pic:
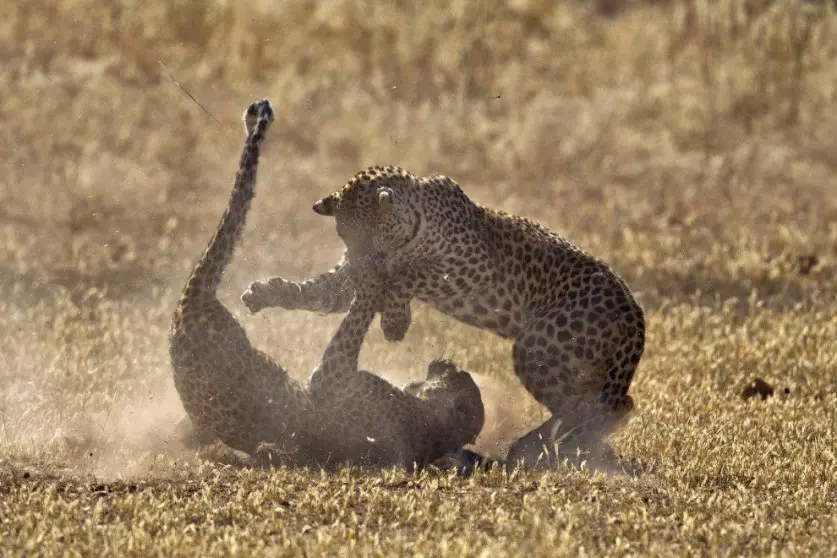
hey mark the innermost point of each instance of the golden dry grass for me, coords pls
(690, 144)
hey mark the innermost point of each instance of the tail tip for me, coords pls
(258, 110)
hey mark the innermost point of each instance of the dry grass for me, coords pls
(688, 143)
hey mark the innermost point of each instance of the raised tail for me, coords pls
(207, 274)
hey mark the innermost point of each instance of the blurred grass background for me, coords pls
(688, 143)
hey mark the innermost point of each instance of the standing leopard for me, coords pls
(235, 393)
(578, 331)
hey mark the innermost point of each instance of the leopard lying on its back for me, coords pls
(237, 394)
(578, 332)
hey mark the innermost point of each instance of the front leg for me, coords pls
(328, 293)
(337, 373)
(396, 315)
(332, 293)
(371, 281)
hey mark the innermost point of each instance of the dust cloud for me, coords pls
(147, 436)
(505, 419)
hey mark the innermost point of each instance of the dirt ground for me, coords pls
(689, 144)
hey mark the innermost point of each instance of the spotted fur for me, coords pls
(235, 393)
(578, 331)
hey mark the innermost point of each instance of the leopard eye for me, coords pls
(385, 197)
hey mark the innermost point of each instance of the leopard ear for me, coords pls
(326, 206)
(385, 197)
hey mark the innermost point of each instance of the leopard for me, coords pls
(577, 330)
(237, 395)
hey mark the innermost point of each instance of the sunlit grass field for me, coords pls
(690, 144)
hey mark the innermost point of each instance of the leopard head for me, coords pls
(375, 212)
(455, 400)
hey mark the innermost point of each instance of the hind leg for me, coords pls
(579, 365)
